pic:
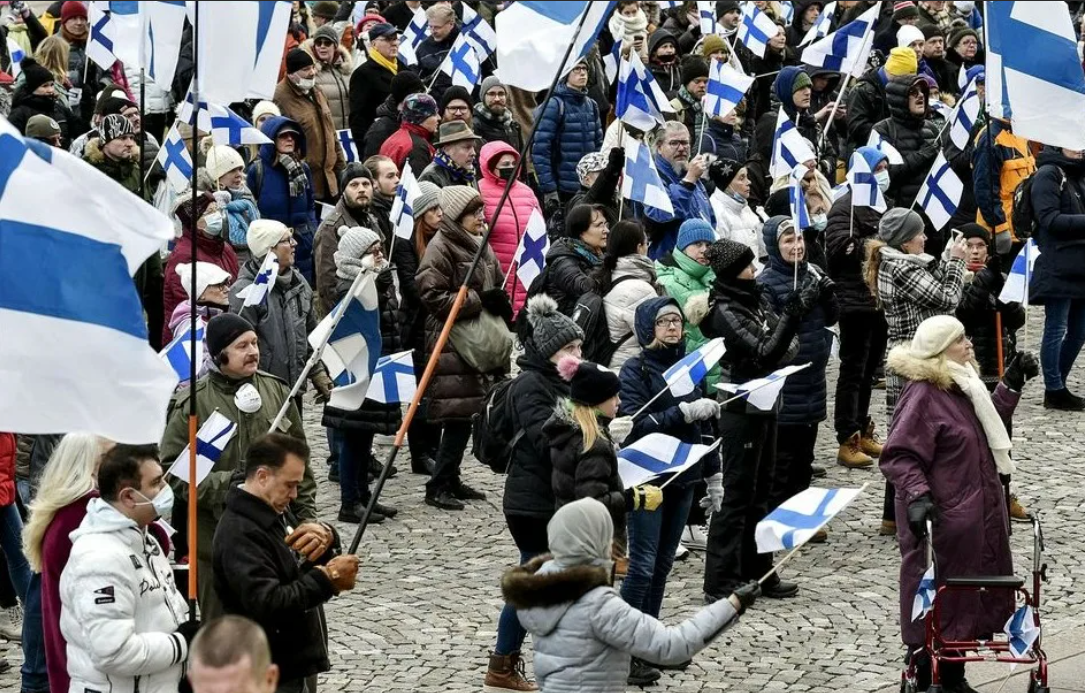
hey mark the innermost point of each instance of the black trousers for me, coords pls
(454, 439)
(862, 350)
(749, 472)
(794, 460)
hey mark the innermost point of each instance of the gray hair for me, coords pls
(441, 13)
(671, 127)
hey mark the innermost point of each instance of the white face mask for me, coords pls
(304, 84)
(883, 180)
(248, 399)
(820, 221)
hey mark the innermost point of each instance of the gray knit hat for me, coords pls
(354, 242)
(899, 225)
(550, 329)
(429, 198)
(455, 198)
(488, 84)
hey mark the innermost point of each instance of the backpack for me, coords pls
(1023, 216)
(492, 438)
(590, 315)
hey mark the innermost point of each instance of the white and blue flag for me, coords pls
(198, 117)
(407, 192)
(17, 54)
(848, 48)
(478, 33)
(641, 182)
(175, 160)
(800, 215)
(230, 129)
(462, 64)
(800, 517)
(103, 34)
(788, 11)
(346, 141)
(726, 88)
(211, 440)
(256, 294)
(1022, 631)
(393, 379)
(612, 62)
(241, 48)
(821, 27)
(923, 602)
(161, 26)
(178, 353)
(1016, 288)
(892, 154)
(656, 454)
(941, 193)
(864, 186)
(354, 345)
(417, 32)
(532, 36)
(74, 347)
(789, 148)
(683, 377)
(757, 29)
(707, 12)
(965, 115)
(641, 103)
(762, 393)
(531, 254)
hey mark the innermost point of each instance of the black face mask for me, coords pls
(666, 59)
(505, 173)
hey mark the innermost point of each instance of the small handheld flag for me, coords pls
(864, 186)
(800, 517)
(789, 149)
(821, 27)
(478, 33)
(641, 182)
(800, 214)
(178, 353)
(1022, 630)
(683, 377)
(211, 441)
(256, 294)
(346, 141)
(1016, 288)
(174, 158)
(641, 103)
(531, 254)
(407, 192)
(763, 392)
(726, 88)
(924, 595)
(462, 64)
(883, 146)
(941, 192)
(656, 454)
(848, 48)
(757, 29)
(964, 116)
(353, 344)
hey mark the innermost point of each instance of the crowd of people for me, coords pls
(626, 292)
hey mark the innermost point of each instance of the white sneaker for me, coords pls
(681, 554)
(695, 538)
(11, 624)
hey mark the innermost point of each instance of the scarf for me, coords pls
(347, 267)
(390, 65)
(462, 175)
(966, 378)
(624, 28)
(295, 174)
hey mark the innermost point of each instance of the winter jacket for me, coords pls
(370, 85)
(867, 106)
(457, 390)
(324, 154)
(688, 283)
(690, 112)
(736, 221)
(25, 105)
(333, 80)
(977, 311)
(937, 446)
(805, 393)
(1058, 201)
(326, 243)
(7, 468)
(916, 138)
(259, 577)
(846, 236)
(431, 54)
(584, 633)
(124, 172)
(580, 473)
(507, 229)
(632, 283)
(689, 202)
(724, 141)
(669, 76)
(120, 608)
(157, 100)
(493, 128)
(570, 266)
(411, 143)
(912, 288)
(385, 124)
(442, 175)
(999, 165)
(213, 250)
(569, 127)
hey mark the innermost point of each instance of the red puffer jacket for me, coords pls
(7, 468)
(512, 224)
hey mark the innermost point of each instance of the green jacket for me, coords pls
(683, 279)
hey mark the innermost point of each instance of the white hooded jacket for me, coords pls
(120, 608)
(736, 221)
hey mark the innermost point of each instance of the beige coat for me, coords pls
(325, 156)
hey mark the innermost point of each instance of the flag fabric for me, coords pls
(612, 62)
(71, 318)
(848, 48)
(532, 37)
(641, 103)
(1022, 631)
(756, 29)
(211, 440)
(1016, 288)
(641, 182)
(1034, 74)
(864, 186)
(393, 379)
(353, 346)
(230, 129)
(478, 33)
(683, 377)
(174, 158)
(531, 254)
(821, 27)
(161, 27)
(763, 392)
(707, 12)
(800, 517)
(964, 116)
(789, 149)
(725, 89)
(103, 35)
(256, 294)
(17, 54)
(346, 141)
(941, 193)
(787, 11)
(924, 595)
(800, 215)
(196, 115)
(656, 454)
(892, 154)
(178, 353)
(241, 48)
(962, 78)
(417, 32)
(407, 192)
(462, 64)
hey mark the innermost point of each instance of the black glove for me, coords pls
(496, 302)
(385, 279)
(1022, 369)
(552, 205)
(187, 630)
(748, 594)
(919, 511)
(616, 160)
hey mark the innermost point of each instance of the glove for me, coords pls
(1022, 369)
(552, 203)
(700, 410)
(323, 384)
(746, 595)
(188, 630)
(793, 305)
(919, 511)
(643, 497)
(714, 500)
(616, 159)
(496, 301)
(342, 571)
(385, 278)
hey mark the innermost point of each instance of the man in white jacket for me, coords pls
(121, 613)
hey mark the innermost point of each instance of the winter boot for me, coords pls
(506, 673)
(642, 674)
(851, 454)
(869, 443)
(1018, 512)
(1063, 400)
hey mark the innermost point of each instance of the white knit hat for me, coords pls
(265, 108)
(908, 34)
(207, 275)
(935, 335)
(264, 234)
(221, 160)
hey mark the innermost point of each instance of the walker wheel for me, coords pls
(908, 687)
(1034, 687)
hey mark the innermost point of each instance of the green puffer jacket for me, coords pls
(683, 279)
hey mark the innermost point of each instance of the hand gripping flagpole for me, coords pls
(461, 296)
(832, 114)
(193, 560)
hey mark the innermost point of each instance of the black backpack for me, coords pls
(1023, 216)
(590, 314)
(493, 440)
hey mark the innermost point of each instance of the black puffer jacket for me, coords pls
(845, 252)
(1058, 200)
(866, 106)
(568, 274)
(385, 124)
(976, 311)
(915, 137)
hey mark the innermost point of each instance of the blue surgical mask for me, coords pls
(214, 224)
(163, 502)
(820, 221)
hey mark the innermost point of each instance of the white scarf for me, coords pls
(998, 440)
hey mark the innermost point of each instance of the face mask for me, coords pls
(883, 180)
(163, 502)
(665, 59)
(248, 399)
(214, 224)
(305, 84)
(505, 173)
(820, 221)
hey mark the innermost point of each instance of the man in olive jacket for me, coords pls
(250, 399)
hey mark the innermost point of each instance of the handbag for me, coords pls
(483, 342)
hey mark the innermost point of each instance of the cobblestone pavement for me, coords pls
(424, 614)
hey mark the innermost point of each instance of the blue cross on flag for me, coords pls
(641, 182)
(864, 186)
(17, 54)
(230, 129)
(346, 141)
(256, 294)
(964, 116)
(462, 64)
(757, 29)
(393, 379)
(407, 192)
(821, 27)
(1022, 631)
(353, 343)
(848, 48)
(417, 32)
(612, 61)
(175, 160)
(763, 392)
(707, 13)
(800, 215)
(641, 103)
(1016, 288)
(211, 440)
(924, 595)
(188, 112)
(531, 254)
(683, 377)
(103, 34)
(178, 353)
(800, 517)
(726, 87)
(789, 148)
(941, 193)
(478, 33)
(656, 454)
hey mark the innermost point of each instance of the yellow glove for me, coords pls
(647, 497)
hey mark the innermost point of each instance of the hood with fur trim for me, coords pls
(933, 370)
(542, 593)
(345, 66)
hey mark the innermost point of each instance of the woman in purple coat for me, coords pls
(947, 446)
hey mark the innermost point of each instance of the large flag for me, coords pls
(789, 149)
(685, 375)
(174, 158)
(941, 193)
(1022, 631)
(462, 64)
(656, 454)
(725, 89)
(478, 33)
(353, 346)
(641, 103)
(417, 32)
(821, 27)
(641, 182)
(211, 440)
(73, 342)
(924, 595)
(757, 29)
(531, 254)
(162, 24)
(1016, 288)
(964, 116)
(178, 353)
(393, 379)
(532, 37)
(800, 517)
(882, 145)
(848, 48)
(1034, 74)
(241, 48)
(864, 186)
(256, 294)
(407, 192)
(763, 392)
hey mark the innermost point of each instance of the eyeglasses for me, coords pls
(289, 240)
(669, 321)
(969, 42)
(323, 43)
(579, 68)
(677, 144)
(458, 109)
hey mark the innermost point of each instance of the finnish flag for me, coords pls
(178, 353)
(462, 64)
(353, 343)
(346, 141)
(800, 215)
(965, 115)
(864, 186)
(256, 294)
(241, 49)
(417, 32)
(1022, 631)
(882, 145)
(641, 103)
(683, 377)
(531, 253)
(800, 517)
(161, 28)
(707, 12)
(174, 158)
(532, 38)
(211, 440)
(923, 602)
(848, 48)
(196, 115)
(763, 392)
(17, 54)
(789, 148)
(757, 29)
(941, 192)
(393, 379)
(478, 33)
(1016, 288)
(101, 42)
(656, 454)
(231, 130)
(407, 192)
(612, 62)
(641, 182)
(787, 11)
(821, 27)
(726, 88)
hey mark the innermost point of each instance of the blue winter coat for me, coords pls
(273, 194)
(642, 378)
(568, 129)
(689, 202)
(804, 394)
(1058, 202)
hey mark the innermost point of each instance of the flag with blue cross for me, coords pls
(800, 517)
(941, 193)
(757, 29)
(725, 89)
(864, 185)
(393, 379)
(534, 244)
(656, 454)
(211, 440)
(641, 182)
(175, 160)
(1022, 631)
(417, 32)
(923, 602)
(462, 64)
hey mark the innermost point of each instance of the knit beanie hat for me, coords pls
(728, 258)
(455, 198)
(973, 230)
(550, 328)
(802, 81)
(902, 61)
(725, 6)
(589, 383)
(221, 160)
(264, 108)
(489, 83)
(42, 127)
(416, 108)
(590, 163)
(695, 231)
(905, 10)
(713, 43)
(223, 330)
(190, 208)
(694, 67)
(931, 31)
(456, 93)
(207, 274)
(71, 9)
(960, 33)
(404, 84)
(935, 335)
(354, 169)
(723, 171)
(354, 242)
(898, 226)
(113, 104)
(325, 9)
(326, 32)
(263, 235)
(428, 198)
(297, 59)
(114, 126)
(873, 156)
(34, 75)
(907, 33)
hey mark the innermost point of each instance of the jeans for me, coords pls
(862, 349)
(1064, 335)
(653, 539)
(354, 467)
(794, 460)
(11, 541)
(530, 536)
(454, 441)
(35, 675)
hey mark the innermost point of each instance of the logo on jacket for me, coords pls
(107, 595)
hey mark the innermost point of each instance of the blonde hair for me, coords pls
(70, 474)
(586, 419)
(53, 54)
(871, 266)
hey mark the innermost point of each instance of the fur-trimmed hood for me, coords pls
(542, 592)
(345, 66)
(932, 370)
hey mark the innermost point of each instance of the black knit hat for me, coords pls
(973, 230)
(728, 258)
(114, 126)
(297, 59)
(113, 104)
(404, 84)
(589, 383)
(456, 93)
(694, 67)
(192, 208)
(34, 74)
(722, 171)
(223, 330)
(932, 31)
(725, 6)
(354, 169)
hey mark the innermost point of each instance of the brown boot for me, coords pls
(507, 674)
(889, 528)
(1018, 512)
(851, 454)
(869, 442)
(820, 537)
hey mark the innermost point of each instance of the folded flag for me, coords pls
(924, 595)
(864, 186)
(175, 161)
(346, 141)
(641, 182)
(393, 379)
(756, 30)
(407, 192)
(683, 377)
(641, 103)
(531, 254)
(800, 517)
(1016, 288)
(763, 392)
(941, 193)
(352, 343)
(821, 27)
(211, 440)
(726, 88)
(417, 32)
(848, 48)
(256, 294)
(178, 353)
(1022, 631)
(532, 38)
(656, 454)
(892, 154)
(964, 116)
(789, 148)
(800, 215)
